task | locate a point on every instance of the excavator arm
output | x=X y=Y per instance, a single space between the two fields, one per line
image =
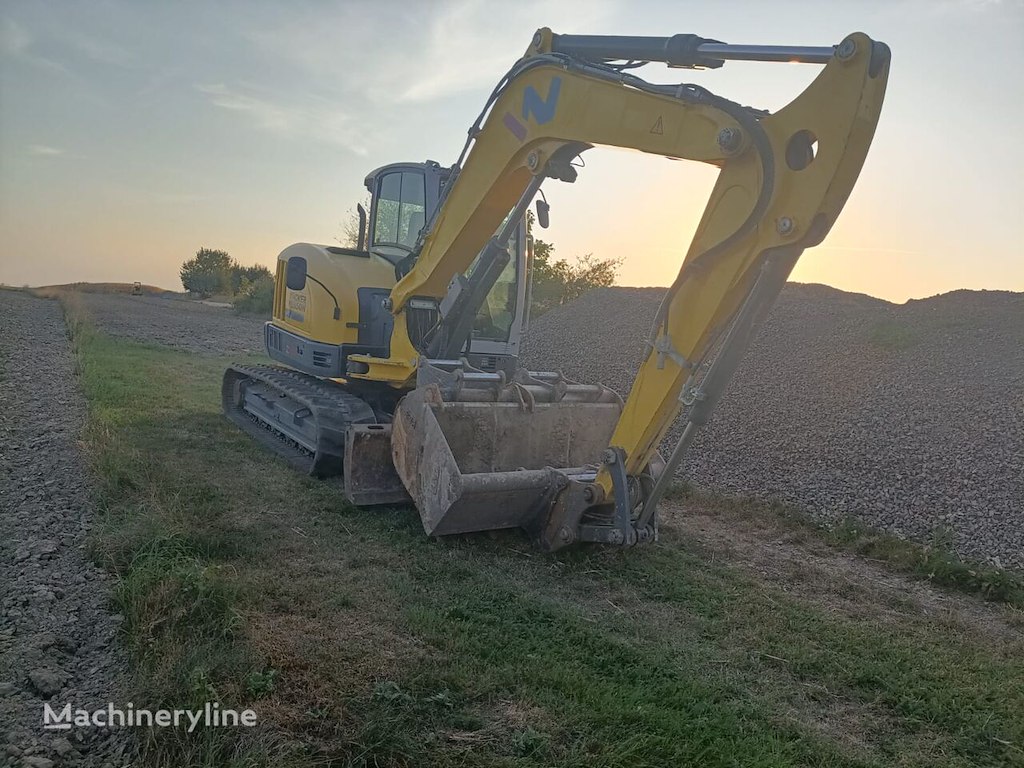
x=784 y=179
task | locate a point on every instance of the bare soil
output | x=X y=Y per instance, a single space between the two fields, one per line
x=176 y=322
x=58 y=628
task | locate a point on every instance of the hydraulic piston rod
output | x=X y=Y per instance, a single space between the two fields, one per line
x=804 y=54
x=682 y=50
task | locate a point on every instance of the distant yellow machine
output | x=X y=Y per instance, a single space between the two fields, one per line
x=400 y=355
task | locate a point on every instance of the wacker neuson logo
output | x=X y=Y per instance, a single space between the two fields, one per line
x=112 y=716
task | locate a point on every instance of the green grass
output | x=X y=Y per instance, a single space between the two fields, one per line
x=360 y=642
x=935 y=562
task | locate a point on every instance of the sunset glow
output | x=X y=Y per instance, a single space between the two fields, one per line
x=131 y=134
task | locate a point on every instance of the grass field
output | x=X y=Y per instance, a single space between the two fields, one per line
x=361 y=642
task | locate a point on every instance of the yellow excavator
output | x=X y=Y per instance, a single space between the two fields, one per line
x=399 y=357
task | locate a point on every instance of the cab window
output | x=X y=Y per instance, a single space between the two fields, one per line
x=401 y=209
x=494 y=320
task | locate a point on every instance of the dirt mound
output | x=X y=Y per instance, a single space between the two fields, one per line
x=906 y=417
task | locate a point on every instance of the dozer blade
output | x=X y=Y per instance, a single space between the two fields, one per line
x=370 y=477
x=476 y=466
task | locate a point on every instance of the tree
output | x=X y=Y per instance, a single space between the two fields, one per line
x=213 y=271
x=208 y=273
x=558 y=282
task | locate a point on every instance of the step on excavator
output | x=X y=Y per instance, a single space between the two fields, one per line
x=397 y=359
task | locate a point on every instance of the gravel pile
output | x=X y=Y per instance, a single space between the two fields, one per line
x=58 y=631
x=909 y=417
x=177 y=322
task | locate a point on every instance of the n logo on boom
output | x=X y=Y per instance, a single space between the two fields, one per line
x=542 y=110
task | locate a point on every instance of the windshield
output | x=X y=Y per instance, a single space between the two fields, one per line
x=401 y=209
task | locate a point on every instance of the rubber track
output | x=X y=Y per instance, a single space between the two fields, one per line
x=333 y=409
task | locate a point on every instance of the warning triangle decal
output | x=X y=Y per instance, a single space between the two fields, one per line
x=657 y=129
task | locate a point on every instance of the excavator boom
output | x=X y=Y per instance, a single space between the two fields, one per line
x=784 y=178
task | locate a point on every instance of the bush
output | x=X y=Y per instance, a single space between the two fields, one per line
x=240 y=276
x=208 y=273
x=213 y=271
x=256 y=297
x=558 y=282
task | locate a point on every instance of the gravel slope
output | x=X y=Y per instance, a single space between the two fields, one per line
x=907 y=417
x=176 y=322
x=57 y=630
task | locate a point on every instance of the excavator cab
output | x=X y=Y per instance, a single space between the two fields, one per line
x=330 y=305
x=404 y=197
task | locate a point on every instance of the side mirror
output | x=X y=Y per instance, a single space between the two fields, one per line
x=543 y=209
x=295 y=273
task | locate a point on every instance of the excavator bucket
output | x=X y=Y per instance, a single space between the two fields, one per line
x=484 y=459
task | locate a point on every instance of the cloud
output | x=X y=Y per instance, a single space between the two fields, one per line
x=963 y=7
x=868 y=249
x=470 y=44
x=427 y=52
x=17 y=42
x=160 y=78
x=181 y=198
x=101 y=51
x=42 y=150
x=14 y=38
x=315 y=118
x=975 y=5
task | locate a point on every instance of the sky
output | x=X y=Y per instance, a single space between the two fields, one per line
x=134 y=133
